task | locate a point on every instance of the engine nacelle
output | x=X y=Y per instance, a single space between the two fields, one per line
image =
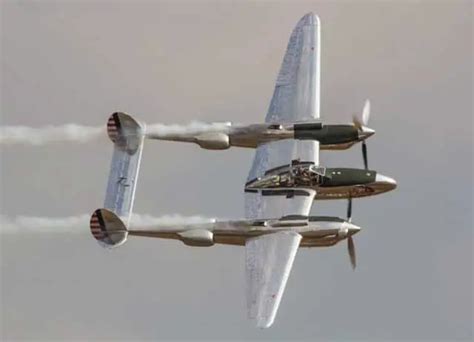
x=197 y=237
x=291 y=221
x=213 y=141
x=343 y=233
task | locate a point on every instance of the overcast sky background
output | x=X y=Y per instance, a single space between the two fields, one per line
x=176 y=62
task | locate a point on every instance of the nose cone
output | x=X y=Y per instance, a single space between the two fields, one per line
x=385 y=181
x=352 y=228
x=365 y=132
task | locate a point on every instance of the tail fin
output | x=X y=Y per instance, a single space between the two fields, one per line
x=127 y=134
x=108 y=228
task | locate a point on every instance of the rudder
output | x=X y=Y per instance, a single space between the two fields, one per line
x=107 y=228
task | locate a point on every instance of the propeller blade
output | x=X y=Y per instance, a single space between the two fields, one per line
x=357 y=123
x=364 y=155
x=351 y=250
x=349 y=209
x=366 y=113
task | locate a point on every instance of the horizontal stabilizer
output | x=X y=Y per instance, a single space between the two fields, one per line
x=108 y=228
x=127 y=134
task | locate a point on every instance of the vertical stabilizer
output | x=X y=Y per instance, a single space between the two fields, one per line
x=107 y=228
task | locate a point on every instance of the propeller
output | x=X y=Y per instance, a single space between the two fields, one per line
x=364 y=155
x=349 y=209
x=352 y=252
x=350 y=241
x=365 y=116
x=364 y=131
x=366 y=113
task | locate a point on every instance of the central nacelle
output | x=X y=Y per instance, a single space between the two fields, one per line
x=287 y=176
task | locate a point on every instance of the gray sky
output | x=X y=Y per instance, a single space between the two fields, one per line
x=176 y=62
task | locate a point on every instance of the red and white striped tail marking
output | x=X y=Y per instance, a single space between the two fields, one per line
x=113 y=127
x=96 y=228
x=107 y=228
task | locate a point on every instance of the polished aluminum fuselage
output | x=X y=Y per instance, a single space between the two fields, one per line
x=335 y=183
x=353 y=191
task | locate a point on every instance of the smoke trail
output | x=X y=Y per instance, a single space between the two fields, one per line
x=10 y=135
x=37 y=136
x=167 y=220
x=80 y=223
x=27 y=224
x=195 y=127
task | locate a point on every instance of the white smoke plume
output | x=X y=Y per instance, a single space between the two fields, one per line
x=37 y=136
x=195 y=127
x=10 y=135
x=80 y=223
x=28 y=224
x=167 y=220
x=49 y=134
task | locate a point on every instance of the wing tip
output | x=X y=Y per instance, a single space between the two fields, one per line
x=265 y=323
x=309 y=19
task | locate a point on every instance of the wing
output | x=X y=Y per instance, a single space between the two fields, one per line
x=269 y=259
x=269 y=204
x=295 y=98
x=297 y=89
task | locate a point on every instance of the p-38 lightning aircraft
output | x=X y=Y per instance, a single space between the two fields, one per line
x=283 y=182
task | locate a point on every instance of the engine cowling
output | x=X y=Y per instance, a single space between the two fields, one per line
x=213 y=141
x=343 y=233
x=197 y=238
